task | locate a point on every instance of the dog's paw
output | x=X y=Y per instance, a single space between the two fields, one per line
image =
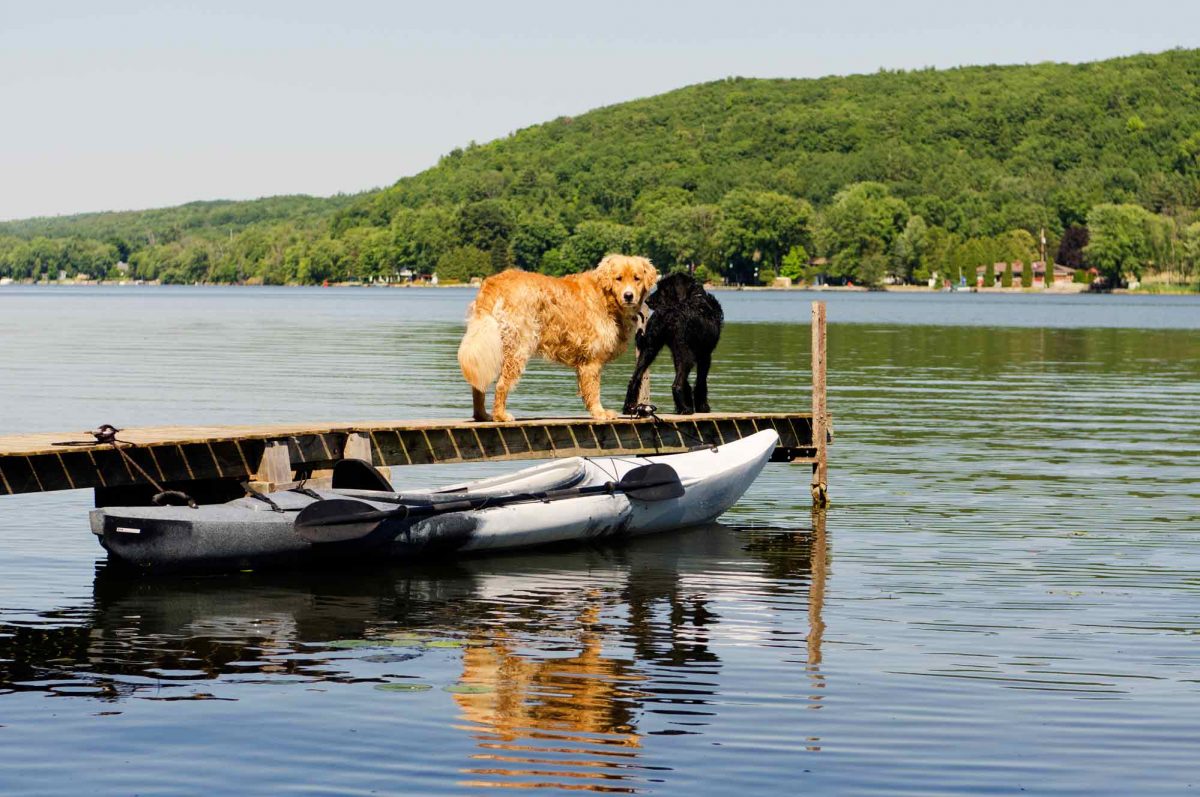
x=682 y=410
x=605 y=415
x=503 y=416
x=703 y=408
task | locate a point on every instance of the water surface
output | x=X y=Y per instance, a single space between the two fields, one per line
x=1003 y=597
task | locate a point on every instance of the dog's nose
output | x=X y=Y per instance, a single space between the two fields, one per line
x=628 y=297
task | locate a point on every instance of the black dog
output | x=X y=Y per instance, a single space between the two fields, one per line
x=687 y=320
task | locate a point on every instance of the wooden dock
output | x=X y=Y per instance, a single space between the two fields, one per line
x=216 y=463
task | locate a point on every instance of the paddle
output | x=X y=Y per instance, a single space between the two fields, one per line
x=343 y=519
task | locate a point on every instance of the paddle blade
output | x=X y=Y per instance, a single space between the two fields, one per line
x=657 y=481
x=337 y=520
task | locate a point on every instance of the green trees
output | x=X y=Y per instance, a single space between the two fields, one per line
x=859 y=230
x=911 y=249
x=422 y=235
x=591 y=241
x=795 y=264
x=462 y=263
x=535 y=235
x=679 y=237
x=1190 y=261
x=1120 y=240
x=760 y=227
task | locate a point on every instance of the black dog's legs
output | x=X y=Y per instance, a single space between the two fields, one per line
x=703 y=361
x=681 y=391
x=648 y=348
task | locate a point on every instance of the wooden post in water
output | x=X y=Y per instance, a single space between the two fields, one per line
x=820 y=410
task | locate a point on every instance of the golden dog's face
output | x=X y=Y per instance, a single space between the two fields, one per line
x=627 y=279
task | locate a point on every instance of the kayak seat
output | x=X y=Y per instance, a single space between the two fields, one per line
x=358 y=474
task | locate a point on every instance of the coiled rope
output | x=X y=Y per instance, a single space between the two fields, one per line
x=651 y=411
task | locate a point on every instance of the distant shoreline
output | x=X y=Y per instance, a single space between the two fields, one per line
x=1067 y=289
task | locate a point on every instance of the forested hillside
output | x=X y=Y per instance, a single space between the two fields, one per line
x=900 y=173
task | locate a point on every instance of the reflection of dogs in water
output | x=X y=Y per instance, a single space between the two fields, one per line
x=581 y=320
x=687 y=320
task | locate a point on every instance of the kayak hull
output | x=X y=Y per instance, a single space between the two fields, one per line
x=250 y=533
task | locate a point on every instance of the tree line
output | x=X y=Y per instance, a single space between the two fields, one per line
x=894 y=175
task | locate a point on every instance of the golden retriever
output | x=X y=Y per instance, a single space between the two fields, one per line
x=581 y=320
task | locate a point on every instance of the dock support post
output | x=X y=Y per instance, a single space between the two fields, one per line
x=358 y=446
x=820 y=413
x=274 y=468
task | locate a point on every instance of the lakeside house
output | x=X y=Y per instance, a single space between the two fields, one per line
x=1059 y=273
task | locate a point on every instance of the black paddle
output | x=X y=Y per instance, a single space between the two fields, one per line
x=343 y=519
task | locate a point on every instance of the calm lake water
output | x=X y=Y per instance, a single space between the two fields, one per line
x=1003 y=598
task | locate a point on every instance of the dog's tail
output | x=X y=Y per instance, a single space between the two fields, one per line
x=481 y=353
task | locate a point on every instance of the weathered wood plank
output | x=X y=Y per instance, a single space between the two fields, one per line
x=820 y=410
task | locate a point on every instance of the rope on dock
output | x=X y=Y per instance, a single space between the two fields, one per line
x=106 y=434
x=651 y=411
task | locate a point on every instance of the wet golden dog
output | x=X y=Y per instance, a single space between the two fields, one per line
x=581 y=320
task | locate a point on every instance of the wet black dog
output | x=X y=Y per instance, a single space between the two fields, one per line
x=687 y=320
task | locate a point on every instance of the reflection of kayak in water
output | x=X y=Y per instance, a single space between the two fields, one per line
x=575 y=499
x=282 y=621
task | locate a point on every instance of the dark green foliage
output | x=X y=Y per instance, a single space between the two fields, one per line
x=464 y=262
x=757 y=228
x=1122 y=239
x=1070 y=248
x=499 y=257
x=483 y=224
x=859 y=229
x=534 y=236
x=895 y=173
x=591 y=241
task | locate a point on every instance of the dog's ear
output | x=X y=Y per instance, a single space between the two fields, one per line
x=649 y=272
x=654 y=300
x=606 y=271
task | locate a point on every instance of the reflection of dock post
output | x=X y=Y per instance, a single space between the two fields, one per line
x=820 y=413
x=818 y=561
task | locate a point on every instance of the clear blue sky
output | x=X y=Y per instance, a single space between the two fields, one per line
x=115 y=105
